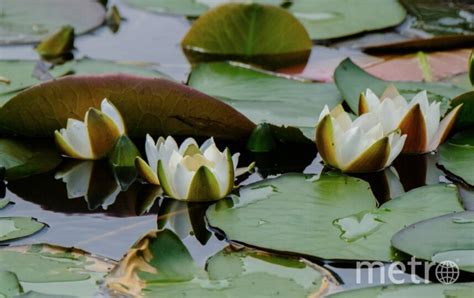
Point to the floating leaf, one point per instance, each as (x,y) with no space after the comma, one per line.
(457,156)
(57,44)
(325,19)
(12,228)
(9,284)
(160,265)
(334,217)
(264,97)
(263,34)
(445,238)
(20,25)
(351,80)
(149,105)
(192,8)
(458,290)
(54,270)
(25,158)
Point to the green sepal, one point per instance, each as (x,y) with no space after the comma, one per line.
(204,186)
(122,160)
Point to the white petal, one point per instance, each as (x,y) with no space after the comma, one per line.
(387,115)
(372,100)
(170,144)
(110,110)
(151,153)
(181,181)
(221,172)
(173,162)
(77,136)
(352,145)
(422,99)
(366,121)
(432,120)
(206,144)
(323,113)
(213,154)
(375,133)
(235,160)
(77,179)
(396,145)
(185,144)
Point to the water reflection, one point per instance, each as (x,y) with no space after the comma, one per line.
(86,187)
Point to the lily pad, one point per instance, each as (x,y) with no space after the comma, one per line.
(457,156)
(465,117)
(24,21)
(149,105)
(21,73)
(12,228)
(192,8)
(266,97)
(351,80)
(325,19)
(263,34)
(334,217)
(445,238)
(160,265)
(54,270)
(9,284)
(458,290)
(26,158)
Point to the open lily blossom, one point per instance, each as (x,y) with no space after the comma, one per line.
(358,146)
(189,172)
(418,119)
(95,137)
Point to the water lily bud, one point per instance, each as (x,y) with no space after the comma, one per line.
(95,137)
(358,146)
(418,119)
(189,172)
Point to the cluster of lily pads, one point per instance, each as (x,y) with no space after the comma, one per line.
(279,228)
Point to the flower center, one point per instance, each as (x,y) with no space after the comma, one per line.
(194,162)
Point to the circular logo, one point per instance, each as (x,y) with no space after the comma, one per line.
(447,272)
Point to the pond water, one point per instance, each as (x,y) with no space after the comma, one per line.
(107,222)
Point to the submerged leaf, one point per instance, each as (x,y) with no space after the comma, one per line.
(152,105)
(263,34)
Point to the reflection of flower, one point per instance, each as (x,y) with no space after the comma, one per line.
(91,181)
(190,172)
(419,119)
(93,138)
(357,146)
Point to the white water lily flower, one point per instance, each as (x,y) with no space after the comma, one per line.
(418,119)
(189,172)
(358,146)
(93,138)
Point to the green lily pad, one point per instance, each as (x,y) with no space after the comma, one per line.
(53,270)
(24,21)
(445,238)
(351,80)
(457,156)
(192,8)
(325,19)
(160,265)
(149,105)
(20,73)
(334,217)
(12,228)
(26,158)
(9,284)
(458,290)
(265,97)
(263,34)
